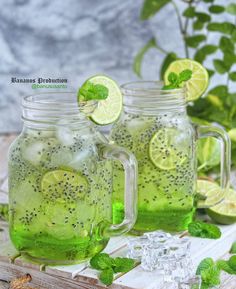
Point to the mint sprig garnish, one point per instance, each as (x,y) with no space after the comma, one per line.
(210,271)
(108,266)
(176,80)
(204,230)
(90,91)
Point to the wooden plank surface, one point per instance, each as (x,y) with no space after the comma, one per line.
(81,276)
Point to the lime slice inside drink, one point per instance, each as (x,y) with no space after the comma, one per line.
(162,149)
(211,193)
(225,212)
(109,109)
(64,186)
(198,83)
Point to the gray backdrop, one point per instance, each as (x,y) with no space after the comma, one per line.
(75,39)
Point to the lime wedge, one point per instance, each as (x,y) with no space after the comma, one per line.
(162,150)
(211,191)
(109,109)
(225,212)
(198,83)
(63,186)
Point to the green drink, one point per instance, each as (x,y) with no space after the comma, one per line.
(155,127)
(60,184)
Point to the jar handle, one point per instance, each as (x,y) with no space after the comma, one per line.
(129,163)
(220,134)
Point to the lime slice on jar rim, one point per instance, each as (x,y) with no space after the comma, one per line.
(211,193)
(162,150)
(197,85)
(108,110)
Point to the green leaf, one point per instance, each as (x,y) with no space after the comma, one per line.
(198,25)
(233,36)
(139,57)
(185,75)
(101,261)
(107,276)
(220,90)
(194,41)
(123,264)
(211,276)
(204,265)
(173,77)
(224,265)
(208,1)
(216,9)
(210,72)
(204,230)
(232,76)
(224,27)
(151,7)
(232,262)
(226,45)
(233,247)
(189,12)
(203,17)
(201,54)
(220,66)
(231,8)
(229,59)
(89,91)
(167,61)
(208,152)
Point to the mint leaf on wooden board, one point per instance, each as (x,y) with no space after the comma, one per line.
(101,261)
(232,262)
(107,276)
(204,264)
(204,230)
(122,264)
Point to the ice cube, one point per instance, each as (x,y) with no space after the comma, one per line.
(65,135)
(33,152)
(136,247)
(158,236)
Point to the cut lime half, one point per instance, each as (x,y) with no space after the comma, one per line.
(162,149)
(225,212)
(64,186)
(198,83)
(109,109)
(211,193)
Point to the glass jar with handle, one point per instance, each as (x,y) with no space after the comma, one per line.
(60,183)
(156,128)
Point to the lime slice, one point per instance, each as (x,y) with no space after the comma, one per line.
(211,191)
(109,109)
(198,83)
(225,212)
(162,149)
(64,186)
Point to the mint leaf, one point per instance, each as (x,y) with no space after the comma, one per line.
(232,262)
(166,62)
(220,66)
(216,9)
(232,76)
(224,27)
(189,12)
(233,248)
(107,276)
(204,230)
(194,41)
(185,75)
(90,91)
(224,265)
(211,276)
(204,264)
(231,8)
(123,264)
(101,261)
(173,78)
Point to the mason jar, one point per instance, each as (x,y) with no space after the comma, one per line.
(61,183)
(156,128)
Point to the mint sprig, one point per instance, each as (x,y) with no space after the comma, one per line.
(90,91)
(233,248)
(204,230)
(176,80)
(108,266)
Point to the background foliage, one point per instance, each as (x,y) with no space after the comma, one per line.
(196,25)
